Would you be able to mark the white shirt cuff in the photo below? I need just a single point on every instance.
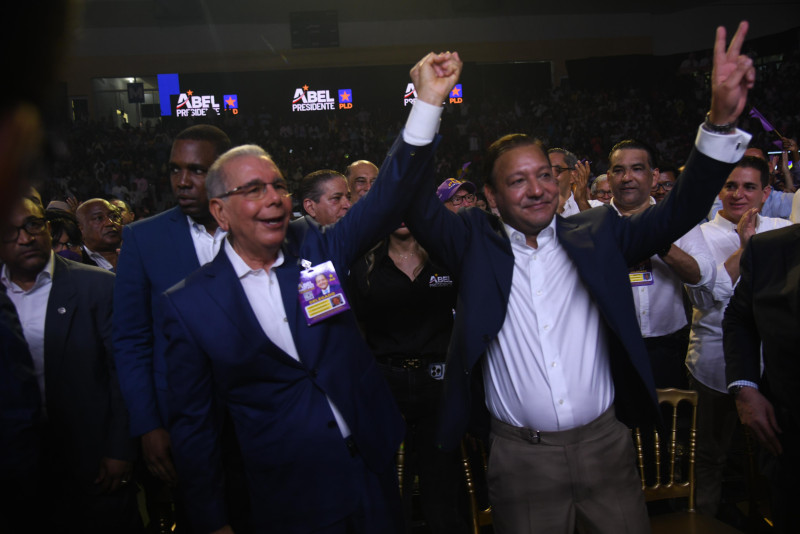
(742, 383)
(422, 123)
(721, 147)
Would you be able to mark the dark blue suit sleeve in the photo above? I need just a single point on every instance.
(133, 337)
(195, 428)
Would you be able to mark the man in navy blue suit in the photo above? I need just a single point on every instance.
(316, 423)
(546, 331)
(156, 253)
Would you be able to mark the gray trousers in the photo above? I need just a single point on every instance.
(553, 481)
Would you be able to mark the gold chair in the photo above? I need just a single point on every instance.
(480, 516)
(676, 479)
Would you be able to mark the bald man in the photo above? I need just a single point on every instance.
(101, 225)
(361, 176)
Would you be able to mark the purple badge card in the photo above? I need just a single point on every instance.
(320, 293)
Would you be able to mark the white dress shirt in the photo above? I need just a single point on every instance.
(570, 206)
(99, 259)
(548, 368)
(31, 308)
(206, 245)
(659, 307)
(705, 358)
(264, 295)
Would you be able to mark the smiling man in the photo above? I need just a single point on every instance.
(727, 235)
(316, 423)
(156, 253)
(553, 339)
(657, 282)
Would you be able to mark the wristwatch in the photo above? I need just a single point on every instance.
(718, 128)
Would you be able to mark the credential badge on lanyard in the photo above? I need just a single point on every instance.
(319, 292)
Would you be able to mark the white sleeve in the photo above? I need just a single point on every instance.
(422, 123)
(721, 147)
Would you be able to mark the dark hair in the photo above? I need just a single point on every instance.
(206, 132)
(668, 166)
(635, 144)
(311, 185)
(569, 158)
(64, 223)
(757, 146)
(503, 145)
(754, 162)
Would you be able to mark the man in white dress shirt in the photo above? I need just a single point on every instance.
(657, 282)
(743, 194)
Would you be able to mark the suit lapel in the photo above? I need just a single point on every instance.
(184, 253)
(58, 317)
(502, 264)
(225, 289)
(588, 258)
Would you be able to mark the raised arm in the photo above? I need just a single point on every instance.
(407, 165)
(732, 77)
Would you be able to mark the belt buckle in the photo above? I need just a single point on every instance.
(534, 436)
(412, 363)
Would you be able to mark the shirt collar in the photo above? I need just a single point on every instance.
(200, 229)
(613, 205)
(44, 276)
(545, 236)
(240, 267)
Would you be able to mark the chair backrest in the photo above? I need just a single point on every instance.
(666, 459)
(470, 448)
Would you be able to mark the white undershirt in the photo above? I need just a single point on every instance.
(264, 295)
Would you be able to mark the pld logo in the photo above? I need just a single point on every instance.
(231, 103)
(191, 105)
(345, 98)
(410, 95)
(305, 100)
(456, 95)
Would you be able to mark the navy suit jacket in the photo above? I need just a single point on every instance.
(85, 411)
(156, 253)
(300, 474)
(475, 248)
(20, 405)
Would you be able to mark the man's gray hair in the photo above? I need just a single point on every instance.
(601, 178)
(216, 179)
(570, 159)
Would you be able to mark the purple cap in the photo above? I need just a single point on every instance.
(449, 187)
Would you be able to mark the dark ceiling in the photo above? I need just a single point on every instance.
(147, 13)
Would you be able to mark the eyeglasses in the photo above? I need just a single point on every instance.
(114, 216)
(601, 193)
(257, 190)
(558, 170)
(666, 186)
(457, 201)
(33, 227)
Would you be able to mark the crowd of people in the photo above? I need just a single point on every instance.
(245, 321)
